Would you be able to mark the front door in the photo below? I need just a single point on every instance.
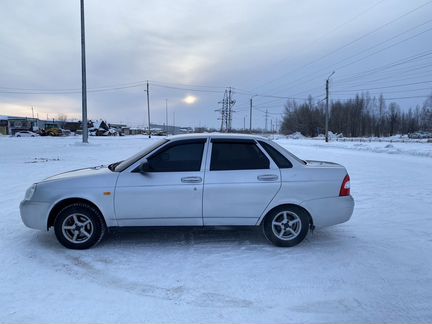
(169, 193)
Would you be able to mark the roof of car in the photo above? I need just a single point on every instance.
(215, 135)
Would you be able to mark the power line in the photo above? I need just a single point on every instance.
(185, 85)
(394, 91)
(349, 87)
(323, 36)
(386, 68)
(390, 98)
(403, 61)
(352, 42)
(391, 78)
(338, 66)
(392, 86)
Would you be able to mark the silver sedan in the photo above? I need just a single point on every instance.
(194, 180)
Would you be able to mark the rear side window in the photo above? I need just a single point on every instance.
(237, 156)
(281, 161)
(178, 158)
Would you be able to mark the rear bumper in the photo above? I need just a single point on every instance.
(329, 211)
(35, 214)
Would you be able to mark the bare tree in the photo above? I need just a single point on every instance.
(393, 117)
(360, 116)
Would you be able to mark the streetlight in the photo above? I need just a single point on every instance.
(250, 113)
(83, 78)
(327, 106)
(148, 109)
(166, 116)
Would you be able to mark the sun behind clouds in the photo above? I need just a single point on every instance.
(190, 100)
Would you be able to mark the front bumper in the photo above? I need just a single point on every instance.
(330, 211)
(34, 214)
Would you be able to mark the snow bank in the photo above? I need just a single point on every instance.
(374, 268)
(403, 148)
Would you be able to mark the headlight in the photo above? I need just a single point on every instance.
(30, 191)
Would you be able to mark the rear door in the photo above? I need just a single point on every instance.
(240, 181)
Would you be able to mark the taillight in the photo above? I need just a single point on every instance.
(345, 188)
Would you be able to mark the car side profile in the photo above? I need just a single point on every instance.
(194, 180)
(25, 134)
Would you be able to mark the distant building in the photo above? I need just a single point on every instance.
(3, 125)
(9, 125)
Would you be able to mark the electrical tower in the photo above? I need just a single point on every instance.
(226, 110)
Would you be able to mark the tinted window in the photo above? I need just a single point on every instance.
(120, 166)
(178, 158)
(237, 156)
(280, 160)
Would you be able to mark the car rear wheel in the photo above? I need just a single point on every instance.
(286, 226)
(79, 226)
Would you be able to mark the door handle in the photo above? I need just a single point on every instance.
(268, 177)
(191, 179)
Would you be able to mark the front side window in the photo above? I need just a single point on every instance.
(178, 158)
(237, 156)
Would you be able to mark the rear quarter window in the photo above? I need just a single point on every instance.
(281, 161)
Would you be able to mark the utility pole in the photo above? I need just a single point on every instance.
(266, 117)
(250, 113)
(327, 107)
(174, 123)
(148, 109)
(32, 112)
(83, 79)
(166, 115)
(244, 122)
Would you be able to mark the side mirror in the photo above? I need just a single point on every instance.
(144, 166)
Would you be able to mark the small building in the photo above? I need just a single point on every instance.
(3, 125)
(136, 131)
(11, 124)
(125, 131)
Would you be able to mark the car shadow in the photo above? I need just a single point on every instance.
(186, 235)
(169, 236)
(221, 236)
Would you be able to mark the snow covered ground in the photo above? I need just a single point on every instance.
(375, 268)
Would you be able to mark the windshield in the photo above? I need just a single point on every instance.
(122, 165)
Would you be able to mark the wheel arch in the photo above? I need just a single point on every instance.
(69, 201)
(288, 205)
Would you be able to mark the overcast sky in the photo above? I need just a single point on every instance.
(273, 47)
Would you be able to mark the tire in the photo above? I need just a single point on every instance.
(18, 136)
(79, 226)
(286, 226)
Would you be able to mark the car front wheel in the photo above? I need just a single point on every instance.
(79, 226)
(286, 226)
